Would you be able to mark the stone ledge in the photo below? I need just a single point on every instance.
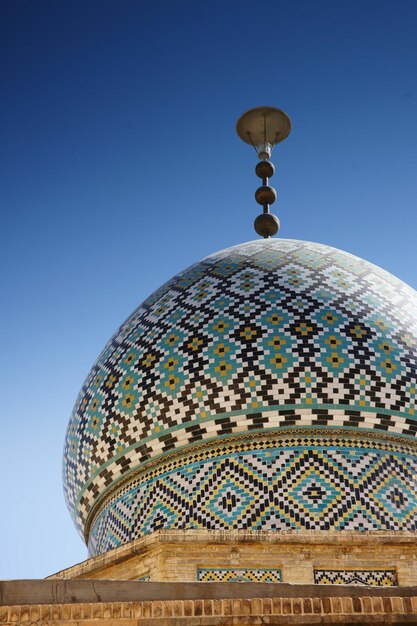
(50, 591)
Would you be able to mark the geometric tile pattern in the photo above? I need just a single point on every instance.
(270, 334)
(375, 578)
(209, 575)
(309, 483)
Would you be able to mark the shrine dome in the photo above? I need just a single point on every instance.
(271, 386)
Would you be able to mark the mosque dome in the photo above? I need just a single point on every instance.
(270, 386)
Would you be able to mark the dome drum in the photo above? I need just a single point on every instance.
(300, 481)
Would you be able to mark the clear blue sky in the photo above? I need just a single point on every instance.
(120, 166)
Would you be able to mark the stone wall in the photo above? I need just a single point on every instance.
(177, 555)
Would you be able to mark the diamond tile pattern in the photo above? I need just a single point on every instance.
(269, 334)
(309, 483)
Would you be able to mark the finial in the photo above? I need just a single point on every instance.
(263, 128)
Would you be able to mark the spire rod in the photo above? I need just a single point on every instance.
(263, 128)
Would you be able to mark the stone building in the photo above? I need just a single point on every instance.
(252, 422)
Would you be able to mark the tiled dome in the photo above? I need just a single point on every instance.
(272, 385)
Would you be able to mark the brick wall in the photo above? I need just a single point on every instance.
(127, 603)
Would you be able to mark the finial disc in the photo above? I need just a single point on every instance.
(263, 124)
(267, 225)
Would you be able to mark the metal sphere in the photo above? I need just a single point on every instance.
(265, 169)
(265, 195)
(266, 225)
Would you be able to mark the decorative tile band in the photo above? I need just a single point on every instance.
(238, 575)
(375, 578)
(269, 334)
(303, 483)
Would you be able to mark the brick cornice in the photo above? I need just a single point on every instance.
(328, 609)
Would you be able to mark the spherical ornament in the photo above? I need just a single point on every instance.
(265, 195)
(266, 225)
(271, 386)
(265, 169)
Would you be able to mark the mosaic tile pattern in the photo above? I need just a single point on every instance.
(306, 483)
(375, 578)
(219, 575)
(265, 335)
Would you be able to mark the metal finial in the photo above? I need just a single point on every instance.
(263, 128)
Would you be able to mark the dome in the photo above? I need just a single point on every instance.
(270, 386)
